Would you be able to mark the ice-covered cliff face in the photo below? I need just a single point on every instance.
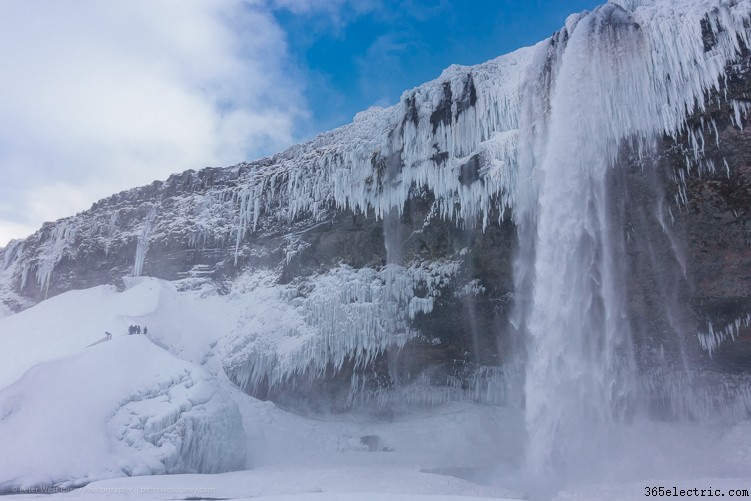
(602, 158)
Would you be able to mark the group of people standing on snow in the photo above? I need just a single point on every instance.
(136, 329)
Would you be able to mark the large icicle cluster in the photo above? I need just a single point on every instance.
(345, 315)
(460, 135)
(446, 135)
(50, 253)
(456, 136)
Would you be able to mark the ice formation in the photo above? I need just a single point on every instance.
(624, 76)
(345, 315)
(142, 247)
(52, 251)
(712, 339)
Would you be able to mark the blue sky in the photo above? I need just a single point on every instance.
(99, 97)
(369, 53)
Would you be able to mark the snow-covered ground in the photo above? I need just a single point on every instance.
(377, 484)
(115, 415)
(81, 400)
(77, 406)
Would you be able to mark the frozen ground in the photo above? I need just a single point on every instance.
(77, 409)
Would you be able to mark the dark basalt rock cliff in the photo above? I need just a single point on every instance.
(710, 236)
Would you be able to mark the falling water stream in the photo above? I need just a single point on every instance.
(578, 369)
(610, 91)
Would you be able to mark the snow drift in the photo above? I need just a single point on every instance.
(122, 407)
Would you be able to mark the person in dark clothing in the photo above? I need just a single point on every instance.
(145, 331)
(130, 329)
(138, 329)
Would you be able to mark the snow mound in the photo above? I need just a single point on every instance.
(66, 324)
(122, 407)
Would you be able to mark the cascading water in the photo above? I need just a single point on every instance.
(619, 83)
(578, 365)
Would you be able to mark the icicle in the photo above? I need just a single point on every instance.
(142, 245)
(712, 339)
(51, 251)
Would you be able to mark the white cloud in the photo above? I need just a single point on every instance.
(97, 97)
(10, 230)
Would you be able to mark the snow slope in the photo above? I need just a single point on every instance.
(66, 324)
(126, 405)
(123, 407)
(123, 404)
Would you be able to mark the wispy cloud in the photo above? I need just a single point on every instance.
(97, 97)
(337, 12)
